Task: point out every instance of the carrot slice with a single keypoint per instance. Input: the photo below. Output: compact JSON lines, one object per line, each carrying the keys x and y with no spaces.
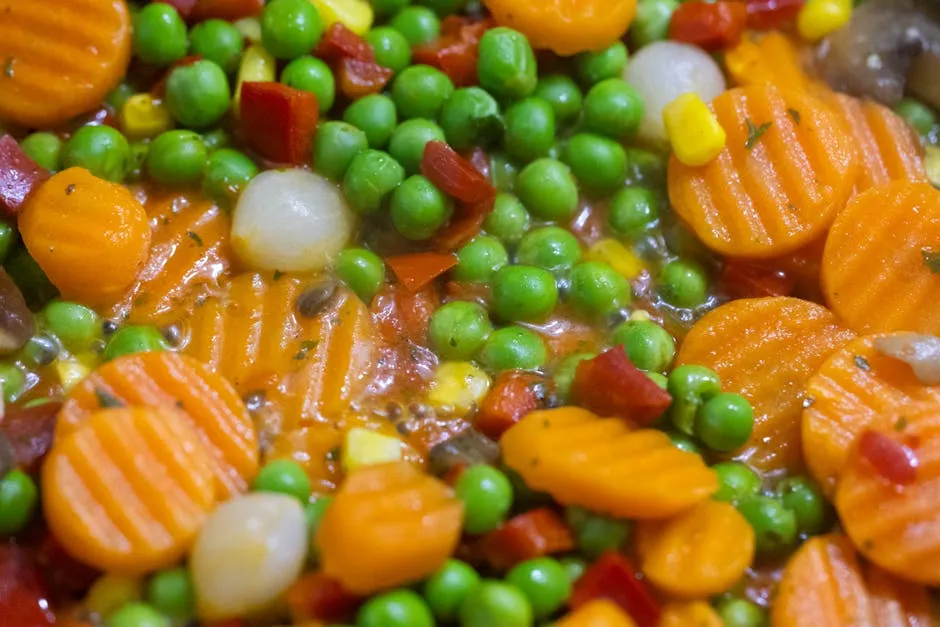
{"x":898,"y":602}
{"x":851,"y":388}
{"x":699,"y":553}
{"x":772,"y":327}
{"x":89,"y":236}
{"x":61,"y":57}
{"x":597,"y":613}
{"x":762,"y":58}
{"x":601,"y":464}
{"x":204,"y":398}
{"x":881,"y":263}
{"x":388,"y":525}
{"x":128,"y":489}
{"x":786,"y":170}
{"x":688,"y":614}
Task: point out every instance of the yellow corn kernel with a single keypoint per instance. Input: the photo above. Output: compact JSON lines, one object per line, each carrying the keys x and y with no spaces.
{"x":110,"y":592}
{"x":142,"y":117}
{"x":356,"y":15}
{"x":641,"y":315}
{"x":618,"y":257}
{"x":458,"y":387}
{"x":70,"y":372}
{"x":818,"y":18}
{"x":693,"y":130}
{"x":250,"y":29}
{"x":257,"y":65}
{"x":363,"y":447}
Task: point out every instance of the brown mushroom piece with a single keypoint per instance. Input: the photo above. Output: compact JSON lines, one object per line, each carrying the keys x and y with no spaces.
{"x":16,"y":320}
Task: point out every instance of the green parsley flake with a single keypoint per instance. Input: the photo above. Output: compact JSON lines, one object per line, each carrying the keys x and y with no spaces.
{"x":931,"y":259}
{"x":754,"y":133}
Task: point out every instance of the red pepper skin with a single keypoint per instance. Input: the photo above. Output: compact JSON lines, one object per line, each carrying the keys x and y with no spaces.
{"x":278,"y":122}
{"x":23,"y":595}
{"x":183,"y":7}
{"x":536,"y":533}
{"x":769,"y":14}
{"x":513,"y":395}
{"x":415,"y":271}
{"x":358,"y":79}
{"x":610,"y":385}
{"x":30,"y":431}
{"x":893,"y":460}
{"x":341,"y":43}
{"x":462,"y":228}
{"x":228,"y":10}
{"x":455,"y":52}
{"x":740,"y":279}
{"x":712,"y":27}
{"x":19,"y":176}
{"x":454,"y":175}
{"x":612,"y":577}
{"x":317,"y":597}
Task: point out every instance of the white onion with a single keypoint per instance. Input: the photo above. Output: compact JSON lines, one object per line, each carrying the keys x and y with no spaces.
{"x":247,"y":554}
{"x":920,"y":352}
{"x":290,"y":220}
{"x":665,"y":70}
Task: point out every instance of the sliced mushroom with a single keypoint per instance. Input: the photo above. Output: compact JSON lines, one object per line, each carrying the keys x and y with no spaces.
{"x":467,"y":448}
{"x":16,"y":320}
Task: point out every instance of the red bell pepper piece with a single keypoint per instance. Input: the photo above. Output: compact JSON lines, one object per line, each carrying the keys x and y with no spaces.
{"x":612,"y":577}
{"x":19,"y":175}
{"x":66,"y":577}
{"x":358,"y":79}
{"x":513,"y":395}
{"x":740,"y":279}
{"x":455,"y":52}
{"x":710,"y":26}
{"x":228,"y":10}
{"x":341,"y":43}
{"x":23,"y":595}
{"x":183,"y":7}
{"x":893,"y":460}
{"x":462,"y":228}
{"x":536,"y":533}
{"x":768,"y":14}
{"x":30,"y":432}
{"x":318,"y":597}
{"x":610,"y":385}
{"x":278,"y":121}
{"x":454,"y":175}
{"x":403,"y":316}
{"x":416,"y":270}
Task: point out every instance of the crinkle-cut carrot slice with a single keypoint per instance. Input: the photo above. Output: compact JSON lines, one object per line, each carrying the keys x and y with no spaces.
{"x":164,"y":379}
{"x":388,"y":525}
{"x":60,"y":57}
{"x":882,"y":259}
{"x":598,"y":613}
{"x":128,"y":489}
{"x":769,"y":57}
{"x":766,"y":349}
{"x":898,"y":602}
{"x":897,"y":526}
{"x":89,"y":236}
{"x":851,"y":388}
{"x":699,"y":553}
{"x":787,"y":169}
{"x":689,"y":614}
{"x":604,"y":465}
{"x":189,"y":254}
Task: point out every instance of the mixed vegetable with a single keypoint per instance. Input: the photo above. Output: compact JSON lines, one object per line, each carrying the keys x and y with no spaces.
{"x":402,"y":313}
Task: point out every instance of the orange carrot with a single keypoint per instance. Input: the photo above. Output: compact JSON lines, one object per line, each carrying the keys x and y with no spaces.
{"x":786,"y":170}
{"x":601,"y":464}
{"x":89,"y":236}
{"x":690,"y":614}
{"x":204,"y":398}
{"x":597,"y":613}
{"x":802,"y":331}
{"x":62,"y":57}
{"x":699,"y":553}
{"x":128,"y":489}
{"x":890,"y":236}
{"x":762,"y":58}
{"x":388,"y":525}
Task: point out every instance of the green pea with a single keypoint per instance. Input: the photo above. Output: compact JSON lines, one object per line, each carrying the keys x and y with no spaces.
{"x":486,"y":494}
{"x":159,"y":34}
{"x":284,"y":476}
{"x":177,"y":158}
{"x":101,"y":150}
{"x":387,"y":8}
{"x":684,"y":443}
{"x":8,"y":238}
{"x":652,"y":21}
{"x":216,"y":139}
{"x":43,"y":148}
{"x":563,"y":95}
{"x":18,"y":499}
{"x":335,"y":145}
{"x":565,"y":373}
{"x":513,"y":348}
{"x":494,"y":603}
{"x":737,"y":612}
{"x":371,"y":177}
{"x":362,"y":270}
{"x":683,"y":284}
{"x":596,"y":534}
{"x":550,"y":247}
{"x":544,"y":581}
{"x":658,"y":378}
{"x":506,"y":64}
{"x":725,"y":422}
{"x":420,"y":91}
{"x":548,"y":190}
{"x":479,"y":259}
{"x":575,"y":567}
{"x":599,"y":163}
{"x":418,"y":208}
{"x":446,"y":589}
{"x":197,"y":95}
{"x":614,"y":108}
{"x":530,"y":129}
{"x":471,"y":118}
{"x":648,"y":345}
{"x":645,"y":168}
{"x":290,"y":28}
{"x":312,"y":75}
{"x":445,"y":7}
{"x":376,"y":116}
{"x":119,"y":96}
{"x":917,"y":114}
{"x":523,"y":293}
{"x":458,"y":330}
{"x":735,"y":482}
{"x":419,"y":25}
{"x":508,"y":220}
{"x":74,"y":324}
{"x":774,"y":525}
{"x":594,"y":67}
{"x":134,"y":339}
{"x":13,"y":382}
{"x":690,"y":386}
{"x":802,"y":496}
{"x":218,"y":41}
{"x":409,"y":139}
{"x":314,"y":512}
{"x":597,"y":289}
{"x":137,"y":615}
{"x":226,"y":174}
{"x":390,"y":47}
{"x":633,"y":212}
{"x":171,"y":592}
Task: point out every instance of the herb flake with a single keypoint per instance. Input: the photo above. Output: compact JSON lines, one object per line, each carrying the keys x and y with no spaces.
{"x":862,"y":363}
{"x":305,"y":347}
{"x":195,"y":237}
{"x":931,"y":259}
{"x":900,"y":424}
{"x":794,"y":115}
{"x":105,"y":400}
{"x":754,"y":133}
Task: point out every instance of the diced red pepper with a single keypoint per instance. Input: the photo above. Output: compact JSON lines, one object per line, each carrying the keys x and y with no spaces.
{"x":893,"y":460}
{"x":513,"y":395}
{"x":183,"y":7}
{"x":23,"y":595}
{"x":769,"y":14}
{"x":66,"y":577}
{"x":19,"y":176}
{"x":612,"y":577}
{"x":318,"y":597}
{"x":454,"y":175}
{"x":610,"y":385}
{"x":341,"y":43}
{"x":740,"y":279}
{"x":462,"y":229}
{"x":278,"y":121}
{"x":455,"y":52}
{"x":358,"y":79}
{"x":536,"y":533}
{"x":710,"y":26}
{"x":228,"y":10}
{"x":30,"y":431}
{"x":416,"y":270}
